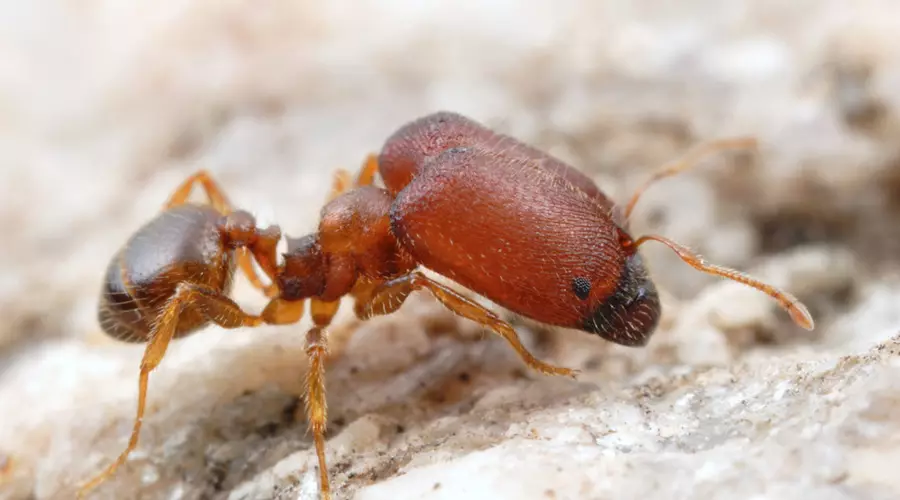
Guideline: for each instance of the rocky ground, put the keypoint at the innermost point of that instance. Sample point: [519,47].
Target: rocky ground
[106,108]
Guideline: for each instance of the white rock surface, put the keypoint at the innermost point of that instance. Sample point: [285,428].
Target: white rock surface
[105,107]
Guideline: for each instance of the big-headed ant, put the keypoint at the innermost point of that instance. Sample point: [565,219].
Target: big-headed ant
[497,216]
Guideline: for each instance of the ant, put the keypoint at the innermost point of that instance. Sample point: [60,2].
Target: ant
[495,215]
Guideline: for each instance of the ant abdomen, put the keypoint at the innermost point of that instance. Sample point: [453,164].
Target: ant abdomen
[181,245]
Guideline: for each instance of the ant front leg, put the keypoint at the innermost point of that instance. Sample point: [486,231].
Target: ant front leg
[216,308]
[390,295]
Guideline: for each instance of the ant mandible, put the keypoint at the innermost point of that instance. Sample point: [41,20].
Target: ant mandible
[497,216]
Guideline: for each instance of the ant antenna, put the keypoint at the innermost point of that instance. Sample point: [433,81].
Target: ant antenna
[798,312]
[688,161]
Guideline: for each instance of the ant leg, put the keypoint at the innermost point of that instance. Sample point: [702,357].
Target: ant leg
[322,312]
[251,242]
[366,175]
[390,295]
[362,295]
[365,300]
[283,312]
[343,180]
[216,195]
[339,184]
[220,203]
[245,261]
[799,313]
[216,308]
[316,404]
[688,161]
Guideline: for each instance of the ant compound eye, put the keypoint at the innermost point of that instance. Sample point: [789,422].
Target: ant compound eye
[582,287]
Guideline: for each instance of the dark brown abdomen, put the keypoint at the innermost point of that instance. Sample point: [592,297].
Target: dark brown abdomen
[181,244]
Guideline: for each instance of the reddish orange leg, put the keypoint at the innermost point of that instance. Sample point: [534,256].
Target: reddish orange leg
[343,181]
[213,191]
[366,175]
[317,350]
[220,203]
[216,308]
[799,313]
[250,243]
[390,295]
[688,161]
[245,261]
[338,339]
[339,184]
[365,300]
[283,312]
[316,403]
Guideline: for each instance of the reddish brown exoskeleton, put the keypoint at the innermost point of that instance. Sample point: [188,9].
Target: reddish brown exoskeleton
[497,216]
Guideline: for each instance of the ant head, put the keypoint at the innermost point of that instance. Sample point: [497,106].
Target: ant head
[303,275]
[630,315]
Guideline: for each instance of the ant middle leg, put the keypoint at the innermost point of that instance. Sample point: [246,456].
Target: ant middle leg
[391,294]
[338,339]
[214,307]
[316,403]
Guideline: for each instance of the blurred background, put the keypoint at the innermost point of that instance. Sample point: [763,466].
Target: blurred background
[105,107]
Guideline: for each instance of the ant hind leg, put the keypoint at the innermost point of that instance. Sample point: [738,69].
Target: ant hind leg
[216,308]
[214,192]
[219,201]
